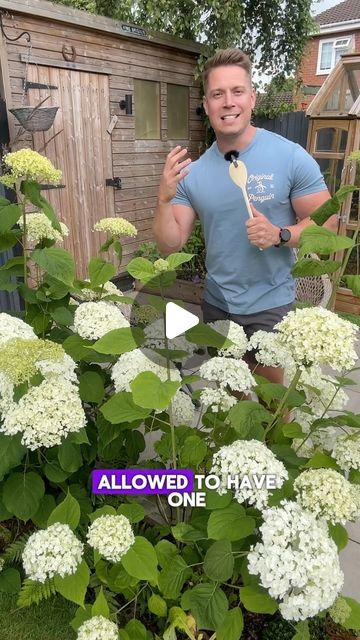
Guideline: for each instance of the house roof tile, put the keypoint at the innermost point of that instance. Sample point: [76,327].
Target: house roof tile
[342,12]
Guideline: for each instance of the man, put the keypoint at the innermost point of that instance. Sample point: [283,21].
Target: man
[248,259]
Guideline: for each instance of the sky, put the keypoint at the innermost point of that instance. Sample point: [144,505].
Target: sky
[318,7]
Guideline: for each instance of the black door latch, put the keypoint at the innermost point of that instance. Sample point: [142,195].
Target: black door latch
[113,182]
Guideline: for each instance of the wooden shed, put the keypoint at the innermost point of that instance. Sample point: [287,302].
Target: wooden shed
[125,96]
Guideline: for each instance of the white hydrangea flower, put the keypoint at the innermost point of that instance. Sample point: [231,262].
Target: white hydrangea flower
[182,409]
[11,327]
[131,363]
[161,265]
[108,289]
[250,458]
[228,372]
[111,536]
[39,227]
[217,399]
[94,319]
[346,452]
[269,351]
[155,339]
[321,390]
[46,414]
[235,333]
[6,394]
[52,551]
[98,628]
[297,561]
[116,226]
[2,563]
[64,368]
[327,494]
[318,336]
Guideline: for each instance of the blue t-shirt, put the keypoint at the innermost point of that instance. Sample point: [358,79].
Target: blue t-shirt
[241,279]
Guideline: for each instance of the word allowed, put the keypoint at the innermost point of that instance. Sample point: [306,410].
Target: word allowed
[182,486]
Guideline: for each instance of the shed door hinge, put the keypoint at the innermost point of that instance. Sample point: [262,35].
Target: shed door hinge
[113,182]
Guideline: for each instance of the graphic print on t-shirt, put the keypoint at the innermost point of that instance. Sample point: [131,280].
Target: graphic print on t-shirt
[260,187]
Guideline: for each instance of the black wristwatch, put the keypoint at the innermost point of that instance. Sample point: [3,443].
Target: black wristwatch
[284,237]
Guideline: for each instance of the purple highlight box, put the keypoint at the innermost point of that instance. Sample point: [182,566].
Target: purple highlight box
[142,481]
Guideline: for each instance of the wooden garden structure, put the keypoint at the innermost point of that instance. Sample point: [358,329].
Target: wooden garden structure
[125,97]
[334,133]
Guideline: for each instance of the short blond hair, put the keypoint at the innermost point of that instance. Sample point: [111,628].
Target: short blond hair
[226,57]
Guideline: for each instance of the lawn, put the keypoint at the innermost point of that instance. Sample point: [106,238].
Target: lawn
[48,620]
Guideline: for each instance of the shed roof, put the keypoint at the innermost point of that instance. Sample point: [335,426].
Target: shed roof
[65,14]
[343,12]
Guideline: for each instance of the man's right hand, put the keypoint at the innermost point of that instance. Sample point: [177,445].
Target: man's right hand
[174,171]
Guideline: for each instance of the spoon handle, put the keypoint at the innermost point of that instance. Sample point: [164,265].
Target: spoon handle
[247,203]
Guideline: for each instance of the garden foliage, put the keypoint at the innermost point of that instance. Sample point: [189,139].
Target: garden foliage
[82,388]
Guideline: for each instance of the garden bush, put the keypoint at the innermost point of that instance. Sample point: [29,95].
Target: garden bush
[82,388]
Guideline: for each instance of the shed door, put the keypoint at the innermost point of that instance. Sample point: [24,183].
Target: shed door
[80,146]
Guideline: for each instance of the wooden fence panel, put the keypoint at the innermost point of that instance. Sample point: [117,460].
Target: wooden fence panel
[293,126]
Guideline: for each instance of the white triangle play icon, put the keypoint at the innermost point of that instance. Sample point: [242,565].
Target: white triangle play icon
[178,320]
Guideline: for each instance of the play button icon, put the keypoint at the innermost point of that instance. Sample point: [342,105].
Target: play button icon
[178,320]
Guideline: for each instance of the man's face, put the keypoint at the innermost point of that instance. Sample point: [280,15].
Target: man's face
[229,100]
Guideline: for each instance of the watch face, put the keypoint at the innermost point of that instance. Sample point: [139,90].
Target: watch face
[285,235]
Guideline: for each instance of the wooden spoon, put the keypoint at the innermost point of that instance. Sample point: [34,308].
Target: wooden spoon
[238,174]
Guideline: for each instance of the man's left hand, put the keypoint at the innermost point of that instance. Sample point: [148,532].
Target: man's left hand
[261,232]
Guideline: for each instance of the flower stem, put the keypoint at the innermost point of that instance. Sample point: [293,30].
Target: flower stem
[279,412]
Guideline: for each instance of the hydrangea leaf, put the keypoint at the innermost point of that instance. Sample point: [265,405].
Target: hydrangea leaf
[67,512]
[100,606]
[47,505]
[353,621]
[59,263]
[10,581]
[157,606]
[136,630]
[246,415]
[100,271]
[339,535]
[257,600]
[232,625]
[219,561]
[230,523]
[133,512]
[141,269]
[165,552]
[141,560]
[205,336]
[173,577]
[314,267]
[118,341]
[322,241]
[10,214]
[91,387]
[193,451]
[69,456]
[23,493]
[121,408]
[176,259]
[302,631]
[12,452]
[74,587]
[31,190]
[152,393]
[209,605]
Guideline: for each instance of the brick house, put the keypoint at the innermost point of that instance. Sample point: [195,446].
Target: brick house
[339,33]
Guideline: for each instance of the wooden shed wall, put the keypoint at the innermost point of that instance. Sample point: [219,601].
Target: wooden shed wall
[137,162]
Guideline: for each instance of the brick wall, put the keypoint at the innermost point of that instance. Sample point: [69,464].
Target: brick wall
[309,64]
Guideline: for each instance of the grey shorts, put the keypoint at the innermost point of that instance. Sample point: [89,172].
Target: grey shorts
[263,320]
